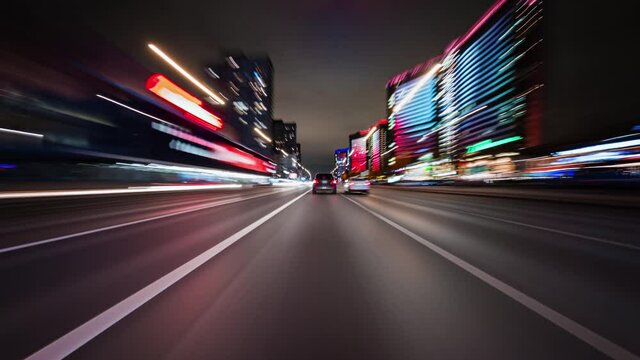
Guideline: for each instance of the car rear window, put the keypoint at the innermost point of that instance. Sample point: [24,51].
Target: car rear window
[324,177]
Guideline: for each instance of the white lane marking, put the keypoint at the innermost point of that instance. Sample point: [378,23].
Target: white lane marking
[130,190]
[81,335]
[117,226]
[556,231]
[602,344]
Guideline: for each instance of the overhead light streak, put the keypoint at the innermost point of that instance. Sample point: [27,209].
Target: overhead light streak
[184,73]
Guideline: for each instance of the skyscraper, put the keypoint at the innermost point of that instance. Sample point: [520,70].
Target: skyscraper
[247,85]
[287,151]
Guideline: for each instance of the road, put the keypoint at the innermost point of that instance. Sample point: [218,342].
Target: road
[278,273]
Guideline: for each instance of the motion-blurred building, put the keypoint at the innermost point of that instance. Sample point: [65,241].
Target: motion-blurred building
[377,148]
[358,156]
[247,85]
[86,102]
[287,151]
[480,100]
[342,162]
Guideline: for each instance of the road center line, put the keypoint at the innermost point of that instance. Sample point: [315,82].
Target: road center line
[597,341]
[556,231]
[117,226]
[73,340]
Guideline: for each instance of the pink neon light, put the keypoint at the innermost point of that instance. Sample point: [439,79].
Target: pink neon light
[494,9]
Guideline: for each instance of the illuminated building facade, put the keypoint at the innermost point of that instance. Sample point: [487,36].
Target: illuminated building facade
[358,157]
[480,99]
[377,147]
[246,84]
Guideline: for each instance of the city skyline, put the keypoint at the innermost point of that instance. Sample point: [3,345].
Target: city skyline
[330,74]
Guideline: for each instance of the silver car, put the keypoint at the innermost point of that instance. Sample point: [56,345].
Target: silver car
[356,185]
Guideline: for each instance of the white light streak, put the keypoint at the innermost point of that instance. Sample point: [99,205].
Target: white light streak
[22,133]
[184,73]
[426,77]
[588,149]
[134,110]
[262,135]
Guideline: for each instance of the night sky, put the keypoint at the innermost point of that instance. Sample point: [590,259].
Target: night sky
[333,58]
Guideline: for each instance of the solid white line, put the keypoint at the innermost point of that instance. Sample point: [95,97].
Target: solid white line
[73,340]
[106,228]
[556,231]
[130,190]
[602,344]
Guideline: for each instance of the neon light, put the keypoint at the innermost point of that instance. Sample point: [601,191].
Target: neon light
[488,144]
[358,155]
[191,105]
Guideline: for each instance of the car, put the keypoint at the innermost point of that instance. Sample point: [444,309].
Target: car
[325,183]
[357,185]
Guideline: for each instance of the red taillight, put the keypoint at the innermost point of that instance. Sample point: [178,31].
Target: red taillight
[333,182]
[315,182]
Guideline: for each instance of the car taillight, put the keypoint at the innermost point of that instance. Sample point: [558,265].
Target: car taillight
[316,181]
[333,182]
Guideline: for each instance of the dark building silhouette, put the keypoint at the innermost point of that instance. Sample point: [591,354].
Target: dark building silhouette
[287,151]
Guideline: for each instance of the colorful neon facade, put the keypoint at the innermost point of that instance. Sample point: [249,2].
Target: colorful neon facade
[484,95]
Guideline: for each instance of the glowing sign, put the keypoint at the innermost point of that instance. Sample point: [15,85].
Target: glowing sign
[358,155]
[191,106]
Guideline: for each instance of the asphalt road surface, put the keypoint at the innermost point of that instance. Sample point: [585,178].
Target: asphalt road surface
[278,273]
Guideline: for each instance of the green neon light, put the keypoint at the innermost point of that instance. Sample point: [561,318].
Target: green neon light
[488,144]
[428,156]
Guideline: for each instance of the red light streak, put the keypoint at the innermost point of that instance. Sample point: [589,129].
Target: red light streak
[191,106]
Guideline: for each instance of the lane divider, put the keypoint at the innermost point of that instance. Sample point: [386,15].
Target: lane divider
[512,222]
[73,340]
[135,222]
[583,333]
